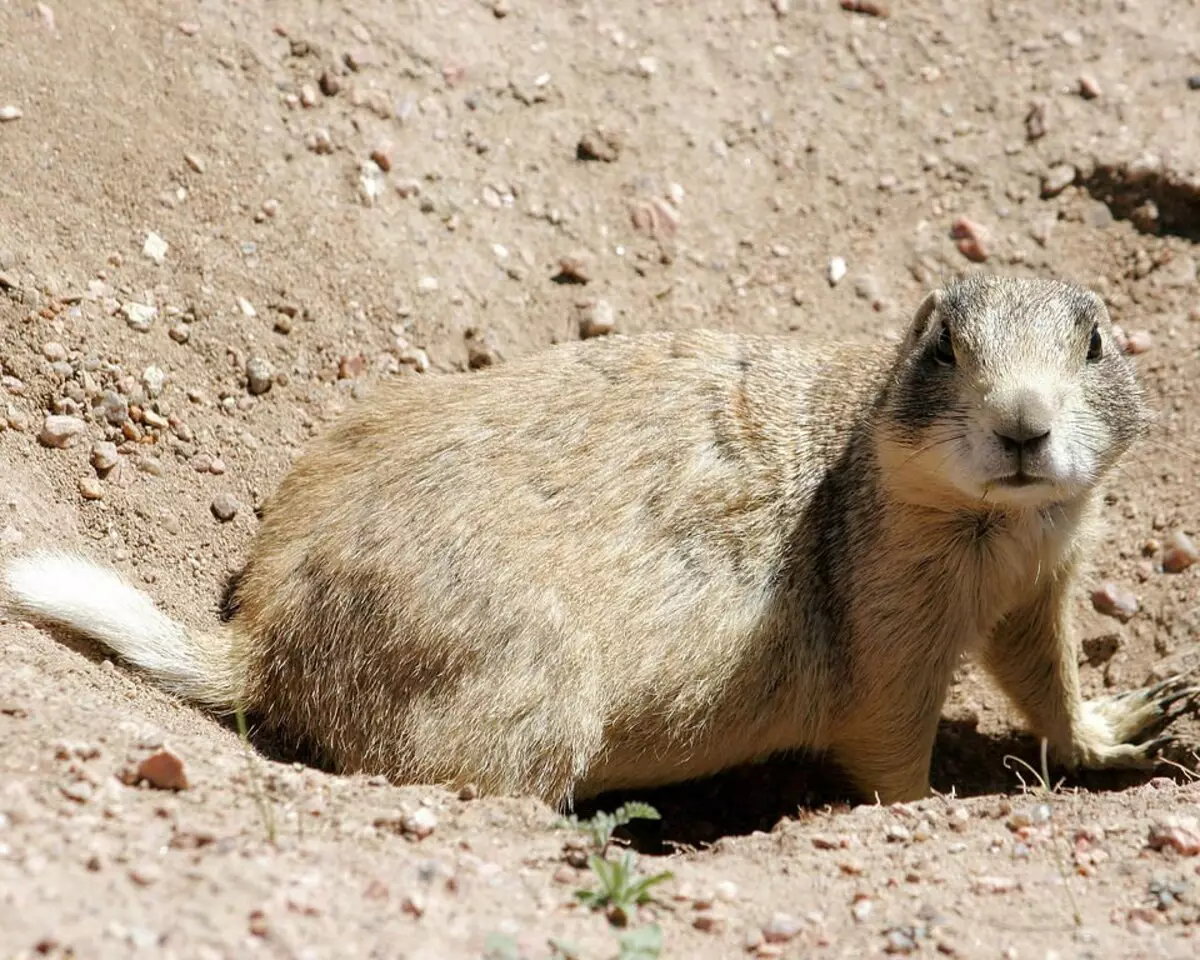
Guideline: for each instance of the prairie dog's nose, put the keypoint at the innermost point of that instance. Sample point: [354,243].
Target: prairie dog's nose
[1027,426]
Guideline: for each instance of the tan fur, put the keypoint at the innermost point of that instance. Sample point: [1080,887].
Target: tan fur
[625,562]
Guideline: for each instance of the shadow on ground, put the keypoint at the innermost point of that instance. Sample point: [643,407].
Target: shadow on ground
[739,802]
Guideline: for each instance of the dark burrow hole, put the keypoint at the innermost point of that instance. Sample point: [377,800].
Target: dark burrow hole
[1157,202]
[756,798]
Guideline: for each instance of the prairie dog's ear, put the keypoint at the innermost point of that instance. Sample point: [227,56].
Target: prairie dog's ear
[926,311]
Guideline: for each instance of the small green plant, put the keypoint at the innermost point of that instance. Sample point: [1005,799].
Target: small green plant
[621,888]
[599,828]
[644,943]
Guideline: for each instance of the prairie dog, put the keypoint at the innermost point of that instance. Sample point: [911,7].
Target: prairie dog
[623,562]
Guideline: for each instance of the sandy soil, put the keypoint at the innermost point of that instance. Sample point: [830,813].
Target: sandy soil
[221,221]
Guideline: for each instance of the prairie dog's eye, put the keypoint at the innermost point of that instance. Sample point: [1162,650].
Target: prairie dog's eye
[1095,345]
[943,350]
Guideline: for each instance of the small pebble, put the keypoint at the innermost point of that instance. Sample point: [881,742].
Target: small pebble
[90,488]
[195,161]
[224,507]
[330,84]
[872,8]
[971,238]
[104,456]
[155,248]
[599,145]
[408,187]
[54,352]
[1180,833]
[1114,601]
[573,269]
[1057,179]
[163,770]
[9,113]
[419,823]
[153,380]
[596,318]
[61,432]
[1139,341]
[145,874]
[382,155]
[138,315]
[781,928]
[114,407]
[258,375]
[1179,553]
[1089,89]
[837,270]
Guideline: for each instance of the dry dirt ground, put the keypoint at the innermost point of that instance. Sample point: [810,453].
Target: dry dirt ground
[221,222]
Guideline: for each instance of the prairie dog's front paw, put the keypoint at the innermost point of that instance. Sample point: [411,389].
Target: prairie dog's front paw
[1126,729]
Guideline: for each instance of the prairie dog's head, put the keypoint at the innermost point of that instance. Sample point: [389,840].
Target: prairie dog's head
[1008,392]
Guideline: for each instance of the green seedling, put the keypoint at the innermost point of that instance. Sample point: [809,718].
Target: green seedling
[621,888]
[599,828]
[644,943]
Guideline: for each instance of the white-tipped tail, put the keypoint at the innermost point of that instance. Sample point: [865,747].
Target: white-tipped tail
[64,589]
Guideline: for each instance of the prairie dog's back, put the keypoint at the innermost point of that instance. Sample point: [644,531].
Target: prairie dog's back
[575,490]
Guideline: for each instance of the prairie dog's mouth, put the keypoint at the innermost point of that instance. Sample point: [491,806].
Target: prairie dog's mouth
[1016,481]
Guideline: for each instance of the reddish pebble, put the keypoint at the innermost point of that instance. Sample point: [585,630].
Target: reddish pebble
[163,770]
[1181,834]
[1114,601]
[971,238]
[189,28]
[1179,553]
[382,155]
[1138,342]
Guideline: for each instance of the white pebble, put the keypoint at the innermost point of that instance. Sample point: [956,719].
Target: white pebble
[61,431]
[153,379]
[138,315]
[837,270]
[246,307]
[427,285]
[155,248]
[9,113]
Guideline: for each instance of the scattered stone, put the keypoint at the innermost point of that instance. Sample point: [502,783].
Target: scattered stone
[419,823]
[1057,179]
[427,285]
[61,432]
[138,315]
[408,187]
[382,156]
[247,308]
[1115,601]
[837,270]
[1179,553]
[413,357]
[224,507]
[54,352]
[145,874]
[258,375]
[481,349]
[896,833]
[104,456]
[114,407]
[1035,121]
[155,248]
[971,238]
[708,922]
[994,884]
[189,28]
[330,84]
[1193,81]
[468,792]
[598,144]
[195,161]
[1139,341]
[1181,834]
[153,379]
[320,142]
[8,113]
[872,8]
[572,269]
[1089,89]
[308,96]
[413,904]
[596,318]
[781,928]
[90,488]
[163,770]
